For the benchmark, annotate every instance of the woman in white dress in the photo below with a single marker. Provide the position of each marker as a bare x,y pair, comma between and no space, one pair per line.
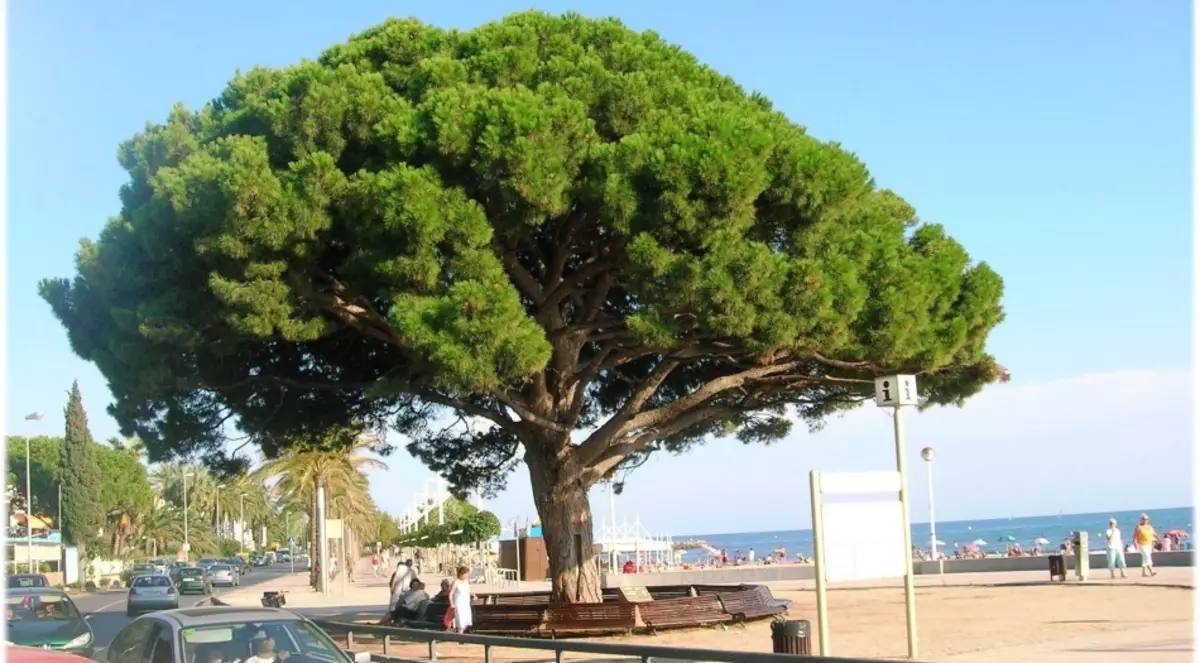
460,600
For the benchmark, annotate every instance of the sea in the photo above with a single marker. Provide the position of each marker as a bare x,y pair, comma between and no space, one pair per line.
957,533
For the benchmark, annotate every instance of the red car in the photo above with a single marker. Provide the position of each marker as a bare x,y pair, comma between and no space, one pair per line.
15,654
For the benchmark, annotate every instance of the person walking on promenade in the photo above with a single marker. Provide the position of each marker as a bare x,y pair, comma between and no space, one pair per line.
1116,549
1143,538
460,600
375,565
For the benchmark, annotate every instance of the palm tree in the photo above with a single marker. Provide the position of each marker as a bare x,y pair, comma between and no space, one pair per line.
296,475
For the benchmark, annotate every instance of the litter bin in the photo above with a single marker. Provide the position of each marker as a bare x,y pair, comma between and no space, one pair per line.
1058,568
790,637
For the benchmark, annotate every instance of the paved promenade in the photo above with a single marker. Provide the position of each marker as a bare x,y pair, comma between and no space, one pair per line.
1168,640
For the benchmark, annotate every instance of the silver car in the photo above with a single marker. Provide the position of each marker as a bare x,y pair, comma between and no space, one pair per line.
151,592
207,634
224,574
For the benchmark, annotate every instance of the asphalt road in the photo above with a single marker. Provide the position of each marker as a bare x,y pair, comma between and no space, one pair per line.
106,610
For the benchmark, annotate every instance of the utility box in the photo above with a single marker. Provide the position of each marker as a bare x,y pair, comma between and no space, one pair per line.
534,562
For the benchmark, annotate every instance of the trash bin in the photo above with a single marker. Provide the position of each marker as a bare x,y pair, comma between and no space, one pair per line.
790,637
1058,568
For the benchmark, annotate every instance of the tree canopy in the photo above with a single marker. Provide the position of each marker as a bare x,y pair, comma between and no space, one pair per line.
553,224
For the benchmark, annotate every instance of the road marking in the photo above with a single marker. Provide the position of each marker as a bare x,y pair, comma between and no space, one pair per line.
103,608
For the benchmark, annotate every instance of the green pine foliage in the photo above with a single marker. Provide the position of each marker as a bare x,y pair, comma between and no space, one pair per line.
82,510
571,231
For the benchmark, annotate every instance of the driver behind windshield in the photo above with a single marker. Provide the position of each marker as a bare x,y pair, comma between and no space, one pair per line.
263,646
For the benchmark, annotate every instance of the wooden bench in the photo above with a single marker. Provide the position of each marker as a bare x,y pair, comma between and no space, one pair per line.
590,618
512,619
698,611
750,602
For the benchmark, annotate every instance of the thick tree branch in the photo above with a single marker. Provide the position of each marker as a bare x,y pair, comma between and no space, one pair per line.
599,441
460,405
526,414
643,440
520,276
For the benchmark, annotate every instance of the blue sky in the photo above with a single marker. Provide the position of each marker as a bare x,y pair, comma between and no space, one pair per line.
1052,139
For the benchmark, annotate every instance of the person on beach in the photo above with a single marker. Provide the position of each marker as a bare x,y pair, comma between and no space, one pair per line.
1116,549
1143,538
460,600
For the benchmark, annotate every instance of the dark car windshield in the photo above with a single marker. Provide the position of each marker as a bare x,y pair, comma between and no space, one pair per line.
219,568
27,580
190,573
152,581
39,608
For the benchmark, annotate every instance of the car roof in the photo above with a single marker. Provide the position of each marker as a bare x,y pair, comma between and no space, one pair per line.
217,615
35,591
27,575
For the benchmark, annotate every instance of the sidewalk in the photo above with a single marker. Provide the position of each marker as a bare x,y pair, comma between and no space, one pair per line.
362,589
1171,642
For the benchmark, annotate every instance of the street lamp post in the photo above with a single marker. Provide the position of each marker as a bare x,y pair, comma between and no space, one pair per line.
927,456
187,546
32,416
242,520
218,490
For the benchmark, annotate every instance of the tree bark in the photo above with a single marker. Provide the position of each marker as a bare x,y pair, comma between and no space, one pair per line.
562,504
314,556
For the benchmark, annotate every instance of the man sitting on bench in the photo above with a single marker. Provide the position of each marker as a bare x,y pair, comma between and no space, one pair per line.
409,606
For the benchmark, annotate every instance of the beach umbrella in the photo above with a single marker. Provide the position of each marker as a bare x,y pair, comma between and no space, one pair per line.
1177,532
1009,539
1040,541
979,542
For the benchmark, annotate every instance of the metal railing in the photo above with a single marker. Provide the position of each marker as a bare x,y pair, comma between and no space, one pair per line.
645,653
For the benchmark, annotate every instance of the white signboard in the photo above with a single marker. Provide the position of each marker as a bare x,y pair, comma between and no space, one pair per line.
863,541
333,528
896,390
860,483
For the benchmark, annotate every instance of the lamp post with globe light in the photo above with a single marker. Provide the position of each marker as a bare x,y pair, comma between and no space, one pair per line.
32,416
927,456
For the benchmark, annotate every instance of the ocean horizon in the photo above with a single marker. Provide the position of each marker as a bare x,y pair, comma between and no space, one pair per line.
957,533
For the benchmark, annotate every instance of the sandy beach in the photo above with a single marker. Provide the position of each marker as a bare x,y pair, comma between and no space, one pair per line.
970,616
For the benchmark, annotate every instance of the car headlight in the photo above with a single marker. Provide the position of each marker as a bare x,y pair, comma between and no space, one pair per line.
80,640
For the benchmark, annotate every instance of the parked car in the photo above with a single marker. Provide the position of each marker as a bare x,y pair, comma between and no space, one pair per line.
258,560
151,592
47,618
204,634
206,562
27,580
224,575
17,654
192,579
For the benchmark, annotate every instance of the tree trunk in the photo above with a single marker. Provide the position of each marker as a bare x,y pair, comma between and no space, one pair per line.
562,504
315,563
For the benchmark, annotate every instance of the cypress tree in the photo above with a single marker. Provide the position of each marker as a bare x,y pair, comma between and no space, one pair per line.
82,516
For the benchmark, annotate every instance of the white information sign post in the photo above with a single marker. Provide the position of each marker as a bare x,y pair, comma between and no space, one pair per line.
860,540
898,392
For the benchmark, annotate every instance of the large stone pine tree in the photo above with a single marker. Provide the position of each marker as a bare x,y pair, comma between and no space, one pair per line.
572,230
82,511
